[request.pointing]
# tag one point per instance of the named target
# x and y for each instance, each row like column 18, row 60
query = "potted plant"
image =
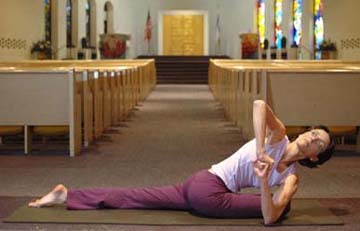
column 41, row 50
column 328, row 49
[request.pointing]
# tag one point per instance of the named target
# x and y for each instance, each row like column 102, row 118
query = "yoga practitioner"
column 267, row 160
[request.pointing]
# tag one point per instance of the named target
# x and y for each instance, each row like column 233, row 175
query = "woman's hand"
column 261, row 169
column 265, row 158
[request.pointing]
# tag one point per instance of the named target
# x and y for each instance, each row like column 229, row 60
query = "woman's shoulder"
column 278, row 143
column 292, row 178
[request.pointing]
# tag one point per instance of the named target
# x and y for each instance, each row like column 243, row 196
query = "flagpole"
column 218, row 32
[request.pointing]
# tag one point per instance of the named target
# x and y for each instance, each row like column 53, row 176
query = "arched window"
column 297, row 14
column 277, row 25
column 88, row 20
column 69, row 23
column 318, row 25
column 47, row 4
column 261, row 21
column 108, row 19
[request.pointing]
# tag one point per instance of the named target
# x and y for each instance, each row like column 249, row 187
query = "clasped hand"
column 262, row 166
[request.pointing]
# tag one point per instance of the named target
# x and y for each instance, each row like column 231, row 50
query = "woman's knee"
column 203, row 203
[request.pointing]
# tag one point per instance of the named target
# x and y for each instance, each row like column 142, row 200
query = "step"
column 182, row 69
column 180, row 73
column 182, row 82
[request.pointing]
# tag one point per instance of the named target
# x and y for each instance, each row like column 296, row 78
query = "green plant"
column 42, row 46
column 327, row 45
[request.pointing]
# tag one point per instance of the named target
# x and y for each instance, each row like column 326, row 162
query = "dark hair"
column 322, row 156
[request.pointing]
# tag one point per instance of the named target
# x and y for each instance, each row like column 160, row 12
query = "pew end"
column 41, row 97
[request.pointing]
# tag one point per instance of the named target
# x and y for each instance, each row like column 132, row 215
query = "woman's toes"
column 34, row 204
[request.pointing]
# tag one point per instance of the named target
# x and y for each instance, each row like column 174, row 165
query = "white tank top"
column 237, row 170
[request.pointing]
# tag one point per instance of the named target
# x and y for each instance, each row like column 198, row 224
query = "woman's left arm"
column 273, row 206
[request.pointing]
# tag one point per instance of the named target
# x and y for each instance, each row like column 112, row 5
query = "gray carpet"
column 179, row 129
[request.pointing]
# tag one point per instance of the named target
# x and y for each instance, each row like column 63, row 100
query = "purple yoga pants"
column 202, row 193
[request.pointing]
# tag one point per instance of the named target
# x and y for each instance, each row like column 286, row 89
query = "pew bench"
column 291, row 89
column 108, row 90
column 38, row 97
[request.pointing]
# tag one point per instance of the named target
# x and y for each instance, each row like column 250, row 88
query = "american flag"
column 148, row 28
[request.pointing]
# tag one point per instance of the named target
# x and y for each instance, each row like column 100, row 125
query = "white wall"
column 235, row 17
column 269, row 22
column 58, row 28
column 239, row 17
column 286, row 25
column 24, row 20
column 19, row 21
column 306, row 47
column 341, row 25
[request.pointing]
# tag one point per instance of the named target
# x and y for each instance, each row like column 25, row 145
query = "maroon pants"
column 202, row 193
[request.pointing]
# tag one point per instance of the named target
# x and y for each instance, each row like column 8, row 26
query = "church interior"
column 120, row 93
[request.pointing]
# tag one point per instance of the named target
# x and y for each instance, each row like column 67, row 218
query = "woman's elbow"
column 270, row 220
column 259, row 106
column 259, row 103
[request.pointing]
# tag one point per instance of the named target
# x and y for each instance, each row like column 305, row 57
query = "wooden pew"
column 88, row 102
column 320, row 97
column 40, row 97
column 265, row 84
column 134, row 80
column 10, row 131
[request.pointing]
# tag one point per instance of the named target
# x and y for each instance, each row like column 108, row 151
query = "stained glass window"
column 47, row 4
column 297, row 13
column 318, row 24
column 106, row 18
column 68, row 23
column 261, row 21
column 278, row 20
column 88, row 19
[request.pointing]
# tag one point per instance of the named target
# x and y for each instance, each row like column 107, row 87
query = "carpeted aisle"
column 179, row 129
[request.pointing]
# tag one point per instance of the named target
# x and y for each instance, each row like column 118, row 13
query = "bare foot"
column 57, row 196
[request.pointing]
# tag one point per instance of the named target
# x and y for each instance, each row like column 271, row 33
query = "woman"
column 263, row 162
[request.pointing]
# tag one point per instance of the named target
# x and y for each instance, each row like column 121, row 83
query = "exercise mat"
column 303, row 212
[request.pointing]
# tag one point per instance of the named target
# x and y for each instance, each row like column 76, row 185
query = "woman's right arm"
column 264, row 117
column 273, row 207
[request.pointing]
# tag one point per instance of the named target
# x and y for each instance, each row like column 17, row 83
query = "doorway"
column 183, row 33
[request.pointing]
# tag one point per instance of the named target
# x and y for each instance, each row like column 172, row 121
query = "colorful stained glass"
column 261, row 21
column 88, row 19
column 297, row 14
column 68, row 23
column 318, row 26
column 278, row 20
column 47, row 4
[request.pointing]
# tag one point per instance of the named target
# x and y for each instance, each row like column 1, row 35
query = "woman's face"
column 312, row 143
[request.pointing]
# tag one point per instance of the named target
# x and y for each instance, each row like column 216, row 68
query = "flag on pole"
column 217, row 35
column 148, row 28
